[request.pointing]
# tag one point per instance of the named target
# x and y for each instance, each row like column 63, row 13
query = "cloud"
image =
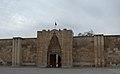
column 24, row 17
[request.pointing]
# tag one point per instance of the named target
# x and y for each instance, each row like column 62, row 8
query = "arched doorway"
column 54, row 52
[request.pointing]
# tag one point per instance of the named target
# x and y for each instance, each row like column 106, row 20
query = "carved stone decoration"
column 54, row 48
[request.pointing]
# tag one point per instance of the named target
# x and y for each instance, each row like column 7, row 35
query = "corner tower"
column 54, row 48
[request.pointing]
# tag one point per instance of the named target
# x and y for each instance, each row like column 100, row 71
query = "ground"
column 34, row 70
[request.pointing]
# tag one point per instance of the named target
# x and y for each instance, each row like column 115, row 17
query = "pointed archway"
column 54, row 52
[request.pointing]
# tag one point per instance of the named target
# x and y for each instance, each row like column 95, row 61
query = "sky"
column 23, row 18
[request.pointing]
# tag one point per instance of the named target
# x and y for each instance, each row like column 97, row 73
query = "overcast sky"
column 24, row 17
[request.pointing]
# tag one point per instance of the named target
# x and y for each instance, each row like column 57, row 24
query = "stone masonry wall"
column 83, row 51
column 112, row 50
column 29, row 48
column 5, row 51
column 98, row 50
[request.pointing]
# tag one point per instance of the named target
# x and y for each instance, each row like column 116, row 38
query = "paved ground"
column 26, row 70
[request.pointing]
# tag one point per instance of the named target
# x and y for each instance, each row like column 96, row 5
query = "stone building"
column 59, row 48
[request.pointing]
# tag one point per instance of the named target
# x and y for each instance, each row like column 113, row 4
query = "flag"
column 55, row 23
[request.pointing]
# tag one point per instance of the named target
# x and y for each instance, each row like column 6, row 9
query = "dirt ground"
column 34, row 70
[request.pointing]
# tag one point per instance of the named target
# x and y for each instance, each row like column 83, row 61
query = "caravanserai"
column 59, row 48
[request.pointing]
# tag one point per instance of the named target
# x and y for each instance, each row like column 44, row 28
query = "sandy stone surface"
column 34, row 70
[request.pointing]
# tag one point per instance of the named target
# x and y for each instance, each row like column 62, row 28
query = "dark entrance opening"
column 55, row 60
column 59, row 61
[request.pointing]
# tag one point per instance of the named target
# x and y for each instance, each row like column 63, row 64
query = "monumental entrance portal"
column 54, row 48
column 54, row 52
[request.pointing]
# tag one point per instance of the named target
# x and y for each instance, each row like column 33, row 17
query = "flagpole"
column 55, row 26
